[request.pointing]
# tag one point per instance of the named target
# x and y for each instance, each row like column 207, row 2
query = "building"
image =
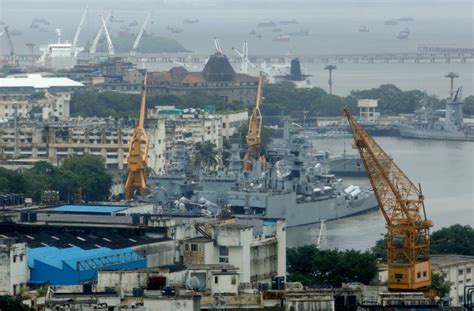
column 36, row 93
column 55, row 140
column 14, row 274
column 218, row 78
column 367, row 110
column 458, row 271
column 239, row 244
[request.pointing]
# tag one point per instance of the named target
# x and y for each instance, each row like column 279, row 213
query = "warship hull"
column 409, row 131
column 285, row 205
column 347, row 166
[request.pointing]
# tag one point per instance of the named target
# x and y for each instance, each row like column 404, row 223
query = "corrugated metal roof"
column 98, row 209
column 38, row 82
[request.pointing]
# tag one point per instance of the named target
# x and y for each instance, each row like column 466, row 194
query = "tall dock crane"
column 75, row 49
column 93, row 47
column 110, row 45
column 253, row 137
column 401, row 203
column 13, row 57
column 138, row 153
column 134, row 50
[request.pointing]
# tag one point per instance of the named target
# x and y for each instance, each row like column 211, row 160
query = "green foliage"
column 455, row 239
column 380, row 248
column 439, row 284
column 88, row 103
column 88, row 171
column 11, row 181
column 12, row 304
column 207, row 154
column 312, row 266
column 85, row 172
column 266, row 136
column 468, row 107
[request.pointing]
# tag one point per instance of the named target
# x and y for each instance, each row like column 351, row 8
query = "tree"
column 439, row 284
column 12, row 304
column 311, row 266
column 88, row 173
column 207, row 154
column 456, row 239
column 468, row 107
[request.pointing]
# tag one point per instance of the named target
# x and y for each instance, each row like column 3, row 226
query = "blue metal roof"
column 98, row 209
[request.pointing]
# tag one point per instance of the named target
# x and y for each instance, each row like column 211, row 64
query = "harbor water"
column 445, row 170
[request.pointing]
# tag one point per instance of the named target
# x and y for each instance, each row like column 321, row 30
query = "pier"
column 424, row 54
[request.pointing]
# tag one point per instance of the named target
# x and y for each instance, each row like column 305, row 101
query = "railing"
column 109, row 260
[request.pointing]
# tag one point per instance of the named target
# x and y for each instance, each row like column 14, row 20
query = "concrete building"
column 218, row 78
column 36, row 94
column 55, row 140
column 14, row 274
column 239, row 244
column 367, row 109
column 458, row 271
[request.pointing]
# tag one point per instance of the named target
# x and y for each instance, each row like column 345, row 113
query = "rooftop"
column 96, row 209
column 37, row 81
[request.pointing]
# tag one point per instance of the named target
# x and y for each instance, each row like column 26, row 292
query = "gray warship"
column 302, row 192
column 427, row 124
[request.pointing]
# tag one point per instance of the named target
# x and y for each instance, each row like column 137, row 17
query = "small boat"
column 363, row 28
column 191, row 21
column 40, row 21
column 253, row 33
column 281, row 38
column 404, row 34
column 277, row 30
column 174, row 29
column 259, row 36
column 267, row 24
column 15, row 32
column 391, row 22
column 289, row 22
column 133, row 24
column 301, row 33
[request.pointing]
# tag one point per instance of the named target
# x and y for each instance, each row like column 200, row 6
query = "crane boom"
column 93, row 48
column 110, row 45
column 78, row 32
column 138, row 153
column 13, row 57
column 253, row 137
column 401, row 203
column 133, row 52
column 217, row 45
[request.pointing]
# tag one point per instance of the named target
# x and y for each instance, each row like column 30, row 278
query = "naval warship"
column 426, row 124
column 301, row 191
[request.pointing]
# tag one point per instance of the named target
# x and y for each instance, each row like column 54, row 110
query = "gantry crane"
column 253, row 137
column 138, row 153
column 110, row 45
column 401, row 203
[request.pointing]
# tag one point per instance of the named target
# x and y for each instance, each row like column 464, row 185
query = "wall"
column 175, row 304
column 158, row 254
column 224, row 284
column 13, row 268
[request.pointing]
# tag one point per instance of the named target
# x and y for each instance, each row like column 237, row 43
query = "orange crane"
column 138, row 153
column 401, row 203
column 253, row 137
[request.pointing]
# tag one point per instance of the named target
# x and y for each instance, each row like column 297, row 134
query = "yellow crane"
column 401, row 203
column 138, row 153
column 253, row 137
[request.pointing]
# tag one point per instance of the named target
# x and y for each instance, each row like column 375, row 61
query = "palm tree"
column 207, row 154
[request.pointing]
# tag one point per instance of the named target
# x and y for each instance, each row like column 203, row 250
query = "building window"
column 186, row 247
column 233, row 280
column 194, row 247
column 216, row 280
column 418, row 275
column 14, row 258
column 468, row 270
column 460, row 271
column 424, row 274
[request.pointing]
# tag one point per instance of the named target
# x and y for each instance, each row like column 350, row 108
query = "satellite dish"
column 193, row 283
